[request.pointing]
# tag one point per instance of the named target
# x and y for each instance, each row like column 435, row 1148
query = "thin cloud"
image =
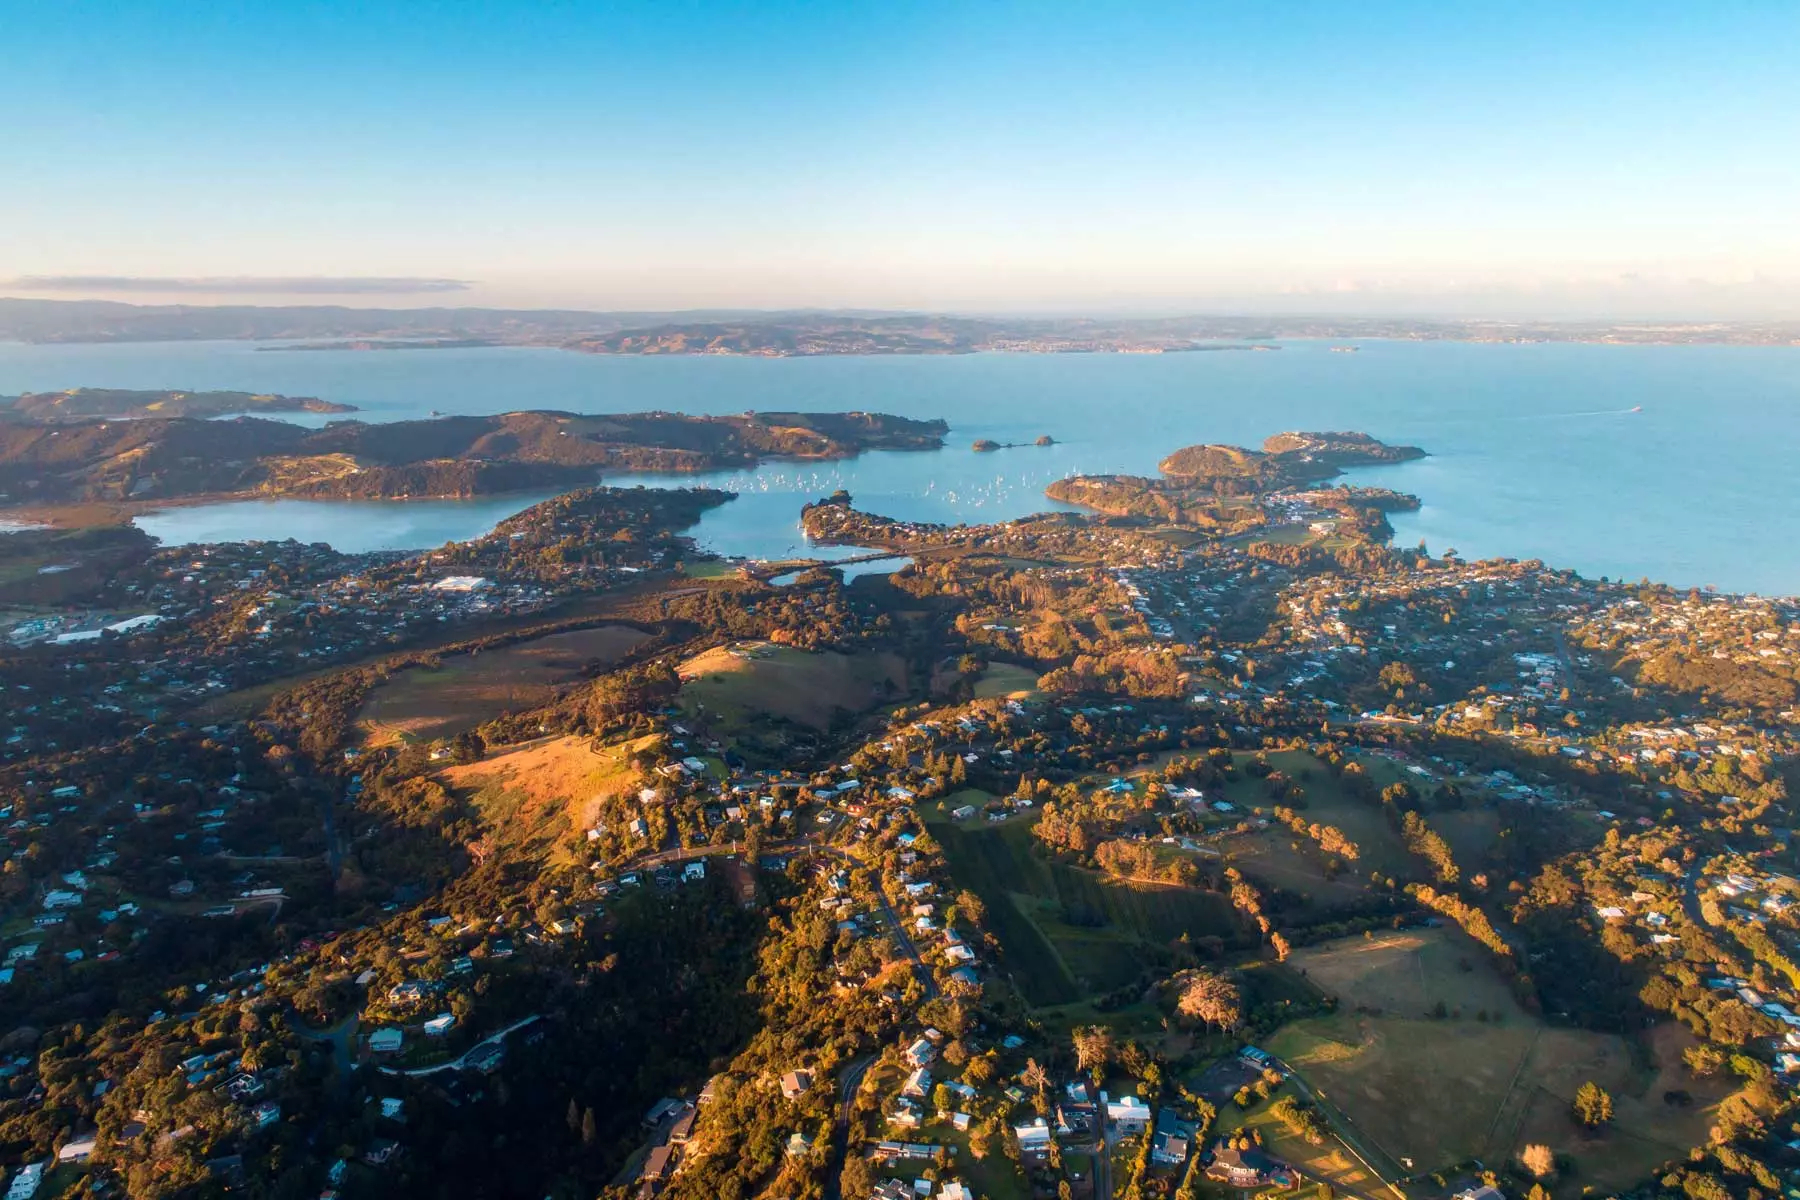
column 256, row 285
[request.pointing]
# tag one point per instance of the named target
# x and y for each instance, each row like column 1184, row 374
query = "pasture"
column 1005, row 679
column 539, row 793
column 733, row 685
column 1070, row 933
column 1485, row 1078
column 465, row 690
column 1281, row 858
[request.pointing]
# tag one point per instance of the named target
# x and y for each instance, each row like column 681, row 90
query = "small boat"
column 1637, row 408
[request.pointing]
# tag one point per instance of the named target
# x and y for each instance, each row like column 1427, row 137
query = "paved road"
column 848, row 1086
column 905, row 942
column 456, row 1064
column 342, row 1037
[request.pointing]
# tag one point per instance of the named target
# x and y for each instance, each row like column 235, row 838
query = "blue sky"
column 1629, row 157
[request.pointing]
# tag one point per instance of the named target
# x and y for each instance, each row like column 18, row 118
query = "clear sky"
column 1596, row 157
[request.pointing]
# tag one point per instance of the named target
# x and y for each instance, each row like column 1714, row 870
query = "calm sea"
column 1536, row 451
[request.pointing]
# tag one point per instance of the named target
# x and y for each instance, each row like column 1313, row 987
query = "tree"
column 1093, row 1049
column 1539, row 1159
column 1210, row 998
column 857, row 1179
column 1037, row 1079
column 1593, row 1107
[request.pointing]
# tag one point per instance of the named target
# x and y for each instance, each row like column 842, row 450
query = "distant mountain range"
column 794, row 333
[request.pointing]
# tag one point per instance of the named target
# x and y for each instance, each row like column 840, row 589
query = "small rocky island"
column 988, row 445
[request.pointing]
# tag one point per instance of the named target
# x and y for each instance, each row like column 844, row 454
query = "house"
column 694, row 870
column 657, row 1168
column 795, row 1084
column 798, row 1145
column 920, row 1052
column 386, row 1041
column 1248, row 1168
column 25, row 1184
column 78, row 1149
column 1127, row 1114
column 661, row 1111
column 955, row 1191
column 1484, row 1192
column 918, row 1084
column 963, row 813
column 410, row 992
column 439, row 1025
column 1034, row 1139
column 1170, row 1144
column 1262, row 1060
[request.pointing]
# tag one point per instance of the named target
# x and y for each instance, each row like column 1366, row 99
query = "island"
column 988, row 445
column 1233, row 490
column 82, row 404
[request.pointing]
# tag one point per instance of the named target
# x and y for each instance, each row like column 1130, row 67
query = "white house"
column 1128, row 1114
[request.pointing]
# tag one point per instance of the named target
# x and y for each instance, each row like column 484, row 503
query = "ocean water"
column 1535, row 449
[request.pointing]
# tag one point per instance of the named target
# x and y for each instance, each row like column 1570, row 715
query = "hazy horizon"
column 1400, row 159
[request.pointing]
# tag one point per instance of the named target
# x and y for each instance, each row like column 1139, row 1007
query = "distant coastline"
column 797, row 334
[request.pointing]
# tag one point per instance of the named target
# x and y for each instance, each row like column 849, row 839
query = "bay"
column 1535, row 449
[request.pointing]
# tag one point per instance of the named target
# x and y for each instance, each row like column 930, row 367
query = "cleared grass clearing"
column 1442, row 1090
column 739, row 683
column 1646, row 1130
column 1471, row 832
column 1005, row 679
column 537, row 794
column 1070, row 933
column 1269, row 856
column 423, row 704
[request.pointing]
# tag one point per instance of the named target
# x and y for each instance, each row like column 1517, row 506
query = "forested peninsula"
column 157, row 459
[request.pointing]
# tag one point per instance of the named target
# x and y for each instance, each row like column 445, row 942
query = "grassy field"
column 1471, row 832
column 709, row 568
column 536, row 795
column 1271, row 856
column 1005, row 679
column 1439, row 1090
column 423, row 704
column 1329, row 1162
column 736, row 684
column 1070, row 933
